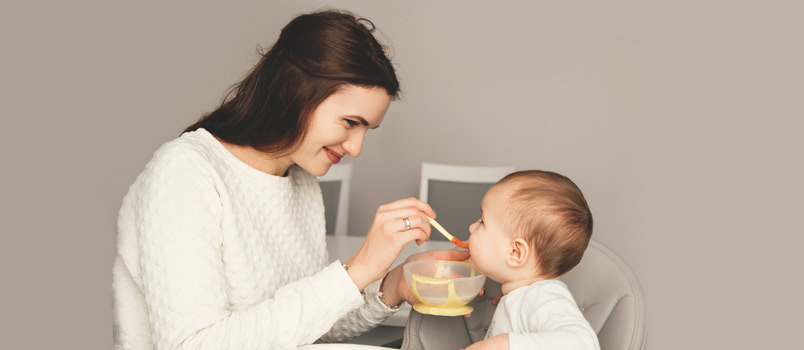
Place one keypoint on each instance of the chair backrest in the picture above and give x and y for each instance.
(455, 193)
(605, 288)
(335, 190)
(609, 295)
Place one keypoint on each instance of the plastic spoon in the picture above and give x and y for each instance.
(450, 237)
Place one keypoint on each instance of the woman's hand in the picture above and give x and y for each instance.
(395, 289)
(386, 237)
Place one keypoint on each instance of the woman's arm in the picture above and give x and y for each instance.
(361, 319)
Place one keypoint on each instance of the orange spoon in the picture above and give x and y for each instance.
(450, 237)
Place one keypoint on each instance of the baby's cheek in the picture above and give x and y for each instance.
(476, 260)
(478, 266)
(472, 264)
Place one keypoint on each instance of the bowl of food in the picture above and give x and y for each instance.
(443, 287)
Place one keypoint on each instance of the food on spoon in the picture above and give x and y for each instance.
(450, 237)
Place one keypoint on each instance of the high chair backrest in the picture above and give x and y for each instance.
(335, 191)
(605, 288)
(455, 193)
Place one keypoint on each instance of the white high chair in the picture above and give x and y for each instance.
(335, 190)
(605, 288)
(455, 193)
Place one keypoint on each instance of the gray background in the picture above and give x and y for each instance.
(680, 120)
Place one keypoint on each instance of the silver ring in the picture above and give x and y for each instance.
(407, 223)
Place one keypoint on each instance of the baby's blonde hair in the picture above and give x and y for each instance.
(549, 211)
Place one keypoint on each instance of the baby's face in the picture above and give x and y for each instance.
(489, 243)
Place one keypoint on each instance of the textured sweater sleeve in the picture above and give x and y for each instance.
(362, 319)
(177, 213)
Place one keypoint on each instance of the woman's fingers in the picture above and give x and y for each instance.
(420, 223)
(416, 217)
(413, 235)
(418, 220)
(408, 202)
(394, 223)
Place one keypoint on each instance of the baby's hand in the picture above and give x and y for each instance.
(498, 342)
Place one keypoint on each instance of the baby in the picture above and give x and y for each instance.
(534, 227)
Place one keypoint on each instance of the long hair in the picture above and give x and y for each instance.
(315, 55)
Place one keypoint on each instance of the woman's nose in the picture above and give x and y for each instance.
(354, 144)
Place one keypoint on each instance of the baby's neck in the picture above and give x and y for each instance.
(508, 287)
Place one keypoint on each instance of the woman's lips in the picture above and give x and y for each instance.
(333, 156)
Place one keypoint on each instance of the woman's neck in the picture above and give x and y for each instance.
(258, 160)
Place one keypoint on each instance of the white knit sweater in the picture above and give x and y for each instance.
(214, 254)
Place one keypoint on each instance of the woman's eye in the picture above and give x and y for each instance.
(351, 122)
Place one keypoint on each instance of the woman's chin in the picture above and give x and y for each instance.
(318, 170)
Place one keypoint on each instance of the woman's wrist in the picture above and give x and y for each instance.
(357, 273)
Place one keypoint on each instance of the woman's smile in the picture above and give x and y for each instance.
(333, 156)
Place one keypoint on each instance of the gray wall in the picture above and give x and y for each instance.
(680, 120)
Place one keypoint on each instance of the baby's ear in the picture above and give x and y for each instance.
(519, 252)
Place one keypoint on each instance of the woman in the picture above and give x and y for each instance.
(221, 238)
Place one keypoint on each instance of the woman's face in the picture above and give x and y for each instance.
(489, 243)
(338, 126)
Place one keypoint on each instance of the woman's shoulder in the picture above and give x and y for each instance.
(191, 146)
(179, 165)
(186, 155)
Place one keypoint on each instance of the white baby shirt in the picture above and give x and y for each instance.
(543, 315)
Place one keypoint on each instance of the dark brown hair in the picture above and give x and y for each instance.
(551, 213)
(315, 55)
